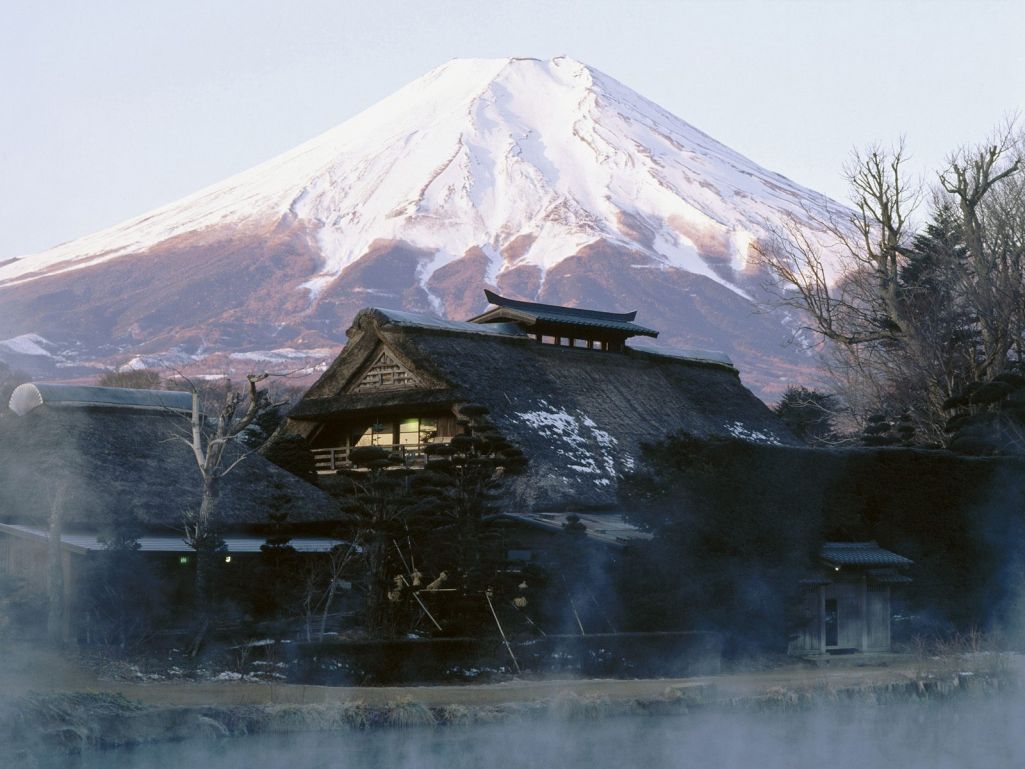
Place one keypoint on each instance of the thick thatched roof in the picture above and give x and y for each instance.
(579, 415)
(117, 459)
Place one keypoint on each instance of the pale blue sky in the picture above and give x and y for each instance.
(113, 108)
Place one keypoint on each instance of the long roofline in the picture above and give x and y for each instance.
(31, 395)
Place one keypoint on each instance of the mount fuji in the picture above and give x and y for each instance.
(544, 180)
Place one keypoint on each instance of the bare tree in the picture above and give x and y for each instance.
(985, 182)
(217, 450)
(901, 344)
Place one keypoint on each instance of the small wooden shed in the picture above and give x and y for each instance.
(846, 607)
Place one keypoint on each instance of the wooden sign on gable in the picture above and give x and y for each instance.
(385, 373)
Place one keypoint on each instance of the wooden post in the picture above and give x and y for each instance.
(822, 619)
(864, 613)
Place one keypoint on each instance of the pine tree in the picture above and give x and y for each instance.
(808, 414)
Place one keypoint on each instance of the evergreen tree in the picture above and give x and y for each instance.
(457, 496)
(124, 592)
(376, 496)
(988, 418)
(808, 414)
(277, 579)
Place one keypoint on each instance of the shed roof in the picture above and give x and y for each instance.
(580, 416)
(534, 313)
(108, 459)
(608, 528)
(31, 395)
(860, 554)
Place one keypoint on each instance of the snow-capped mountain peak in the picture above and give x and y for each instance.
(479, 152)
(498, 172)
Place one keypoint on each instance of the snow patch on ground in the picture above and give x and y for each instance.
(281, 355)
(28, 344)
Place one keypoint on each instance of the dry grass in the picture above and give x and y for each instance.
(970, 652)
(406, 713)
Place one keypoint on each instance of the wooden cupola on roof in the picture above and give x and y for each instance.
(593, 329)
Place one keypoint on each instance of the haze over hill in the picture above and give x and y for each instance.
(544, 180)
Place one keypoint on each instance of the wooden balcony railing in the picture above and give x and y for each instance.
(331, 460)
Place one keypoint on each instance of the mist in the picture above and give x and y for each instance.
(960, 733)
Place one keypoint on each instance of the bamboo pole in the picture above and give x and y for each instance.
(416, 596)
(426, 611)
(529, 620)
(601, 610)
(402, 558)
(505, 640)
(577, 617)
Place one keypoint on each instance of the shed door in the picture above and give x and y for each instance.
(843, 601)
(877, 618)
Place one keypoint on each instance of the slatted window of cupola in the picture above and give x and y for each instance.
(385, 373)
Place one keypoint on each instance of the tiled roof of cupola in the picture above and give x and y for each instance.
(546, 318)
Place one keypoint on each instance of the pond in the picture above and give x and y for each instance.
(959, 734)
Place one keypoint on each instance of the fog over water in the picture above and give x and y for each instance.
(964, 733)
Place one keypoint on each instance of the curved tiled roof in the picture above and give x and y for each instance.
(860, 554)
(536, 313)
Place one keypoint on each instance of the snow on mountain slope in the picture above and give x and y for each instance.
(477, 153)
(547, 180)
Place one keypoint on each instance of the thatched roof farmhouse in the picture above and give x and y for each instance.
(113, 464)
(116, 449)
(560, 384)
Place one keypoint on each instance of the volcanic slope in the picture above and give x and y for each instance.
(544, 180)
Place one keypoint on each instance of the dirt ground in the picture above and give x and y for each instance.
(27, 669)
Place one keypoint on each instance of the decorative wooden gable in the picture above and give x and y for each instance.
(385, 373)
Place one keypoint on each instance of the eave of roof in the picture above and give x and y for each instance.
(89, 542)
(860, 554)
(348, 404)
